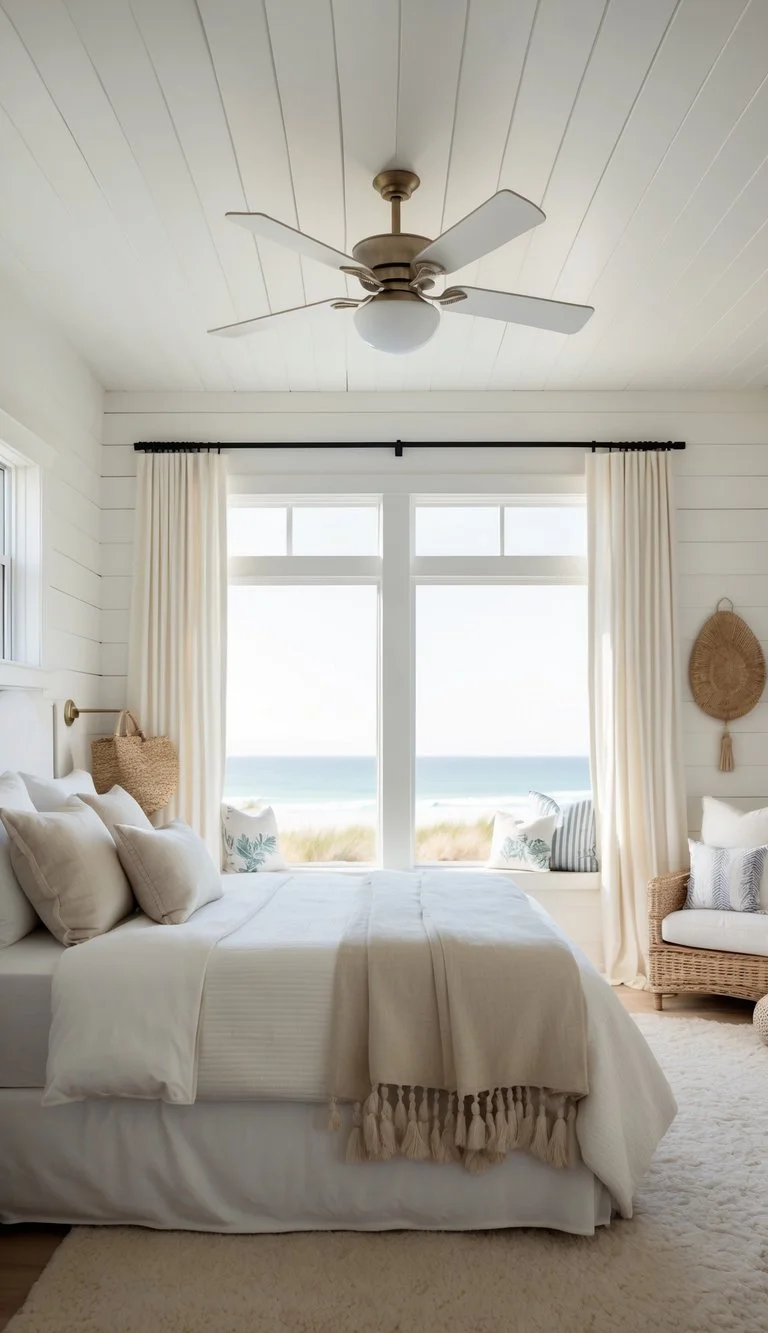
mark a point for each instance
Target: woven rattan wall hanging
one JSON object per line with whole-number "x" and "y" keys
{"x": 727, "y": 672}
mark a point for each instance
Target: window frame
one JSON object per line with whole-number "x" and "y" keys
{"x": 397, "y": 572}
{"x": 6, "y": 562}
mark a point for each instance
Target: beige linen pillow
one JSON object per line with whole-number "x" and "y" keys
{"x": 170, "y": 869}
{"x": 116, "y": 806}
{"x": 67, "y": 866}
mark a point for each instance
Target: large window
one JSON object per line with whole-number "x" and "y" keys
{"x": 402, "y": 666}
{"x": 302, "y": 700}
{"x": 501, "y": 689}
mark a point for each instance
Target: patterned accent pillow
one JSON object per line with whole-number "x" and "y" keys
{"x": 726, "y": 879}
{"x": 575, "y": 842}
{"x": 251, "y": 842}
{"x": 520, "y": 844}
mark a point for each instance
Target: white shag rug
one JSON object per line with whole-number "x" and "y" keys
{"x": 694, "y": 1259}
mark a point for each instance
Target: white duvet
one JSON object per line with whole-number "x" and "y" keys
{"x": 236, "y": 1004}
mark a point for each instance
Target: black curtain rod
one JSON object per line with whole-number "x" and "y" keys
{"x": 618, "y": 446}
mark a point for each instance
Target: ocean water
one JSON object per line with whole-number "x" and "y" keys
{"x": 347, "y": 785}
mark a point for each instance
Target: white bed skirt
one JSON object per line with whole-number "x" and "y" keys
{"x": 256, "y": 1167}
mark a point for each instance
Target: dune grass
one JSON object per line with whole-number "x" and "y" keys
{"x": 445, "y": 841}
{"x": 356, "y": 843}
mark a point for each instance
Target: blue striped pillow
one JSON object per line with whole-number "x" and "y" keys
{"x": 727, "y": 879}
{"x": 574, "y": 846}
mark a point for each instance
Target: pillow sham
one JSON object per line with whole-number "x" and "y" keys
{"x": 17, "y": 915}
{"x": 116, "y": 806}
{"x": 67, "y": 865}
{"x": 722, "y": 825}
{"x": 170, "y": 869}
{"x": 251, "y": 841}
{"x": 574, "y": 845}
{"x": 728, "y": 879}
{"x": 521, "y": 844}
{"x": 50, "y": 794}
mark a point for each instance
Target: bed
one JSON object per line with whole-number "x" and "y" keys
{"x": 245, "y": 1146}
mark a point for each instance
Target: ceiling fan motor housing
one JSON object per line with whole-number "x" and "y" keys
{"x": 390, "y": 257}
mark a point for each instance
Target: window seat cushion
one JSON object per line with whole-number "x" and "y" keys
{"x": 730, "y": 932}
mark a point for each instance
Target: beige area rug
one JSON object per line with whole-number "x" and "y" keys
{"x": 693, "y": 1260}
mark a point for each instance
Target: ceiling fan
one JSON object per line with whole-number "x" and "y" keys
{"x": 398, "y": 271}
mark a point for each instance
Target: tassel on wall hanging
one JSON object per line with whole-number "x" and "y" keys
{"x": 726, "y": 672}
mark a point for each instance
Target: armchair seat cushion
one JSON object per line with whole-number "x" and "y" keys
{"x": 728, "y": 932}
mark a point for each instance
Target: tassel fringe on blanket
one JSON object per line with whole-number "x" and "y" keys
{"x": 477, "y": 1132}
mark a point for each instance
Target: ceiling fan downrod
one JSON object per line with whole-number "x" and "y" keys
{"x": 394, "y": 186}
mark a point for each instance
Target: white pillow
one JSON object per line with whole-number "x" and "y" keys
{"x": 116, "y": 806}
{"x": 67, "y": 865}
{"x": 251, "y": 842}
{"x": 722, "y": 825}
{"x": 170, "y": 869}
{"x": 17, "y": 915}
{"x": 521, "y": 844}
{"x": 50, "y": 794}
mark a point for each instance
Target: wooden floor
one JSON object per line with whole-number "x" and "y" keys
{"x": 25, "y": 1250}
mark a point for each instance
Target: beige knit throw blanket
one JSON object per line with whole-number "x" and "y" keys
{"x": 459, "y": 1024}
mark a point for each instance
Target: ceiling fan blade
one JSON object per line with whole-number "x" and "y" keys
{"x": 501, "y": 218}
{"x": 272, "y": 230}
{"x": 559, "y": 316}
{"x": 280, "y": 318}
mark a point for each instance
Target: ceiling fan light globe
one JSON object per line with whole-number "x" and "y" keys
{"x": 396, "y": 322}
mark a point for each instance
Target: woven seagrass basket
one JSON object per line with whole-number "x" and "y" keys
{"x": 726, "y": 672}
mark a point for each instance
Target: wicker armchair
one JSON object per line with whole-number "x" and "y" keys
{"x": 675, "y": 968}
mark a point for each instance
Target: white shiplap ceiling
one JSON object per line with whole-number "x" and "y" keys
{"x": 129, "y": 127}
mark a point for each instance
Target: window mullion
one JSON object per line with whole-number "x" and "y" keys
{"x": 396, "y": 762}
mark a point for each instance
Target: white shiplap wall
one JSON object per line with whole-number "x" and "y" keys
{"x": 51, "y": 406}
{"x": 722, "y": 497}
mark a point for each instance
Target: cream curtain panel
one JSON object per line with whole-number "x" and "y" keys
{"x": 637, "y": 765}
{"x": 177, "y": 645}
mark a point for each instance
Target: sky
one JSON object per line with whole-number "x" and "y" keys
{"x": 500, "y": 669}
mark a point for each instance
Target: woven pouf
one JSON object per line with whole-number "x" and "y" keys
{"x": 760, "y": 1019}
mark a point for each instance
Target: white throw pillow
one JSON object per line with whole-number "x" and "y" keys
{"x": 251, "y": 842}
{"x": 116, "y": 806}
{"x": 521, "y": 844}
{"x": 50, "y": 794}
{"x": 722, "y": 825}
{"x": 728, "y": 879}
{"x": 17, "y": 915}
{"x": 170, "y": 869}
{"x": 67, "y": 865}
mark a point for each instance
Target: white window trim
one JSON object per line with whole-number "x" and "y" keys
{"x": 23, "y": 636}
{"x": 6, "y": 560}
{"x": 397, "y": 574}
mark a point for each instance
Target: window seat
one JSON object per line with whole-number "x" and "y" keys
{"x": 572, "y": 899}
{"x": 548, "y": 881}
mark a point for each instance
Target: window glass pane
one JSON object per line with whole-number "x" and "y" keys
{"x": 511, "y": 714}
{"x": 260, "y": 530}
{"x": 336, "y": 530}
{"x": 2, "y": 512}
{"x": 554, "y": 530}
{"x": 301, "y": 715}
{"x": 457, "y": 530}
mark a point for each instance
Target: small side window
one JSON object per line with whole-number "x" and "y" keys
{"x": 20, "y": 558}
{"x": 6, "y": 571}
